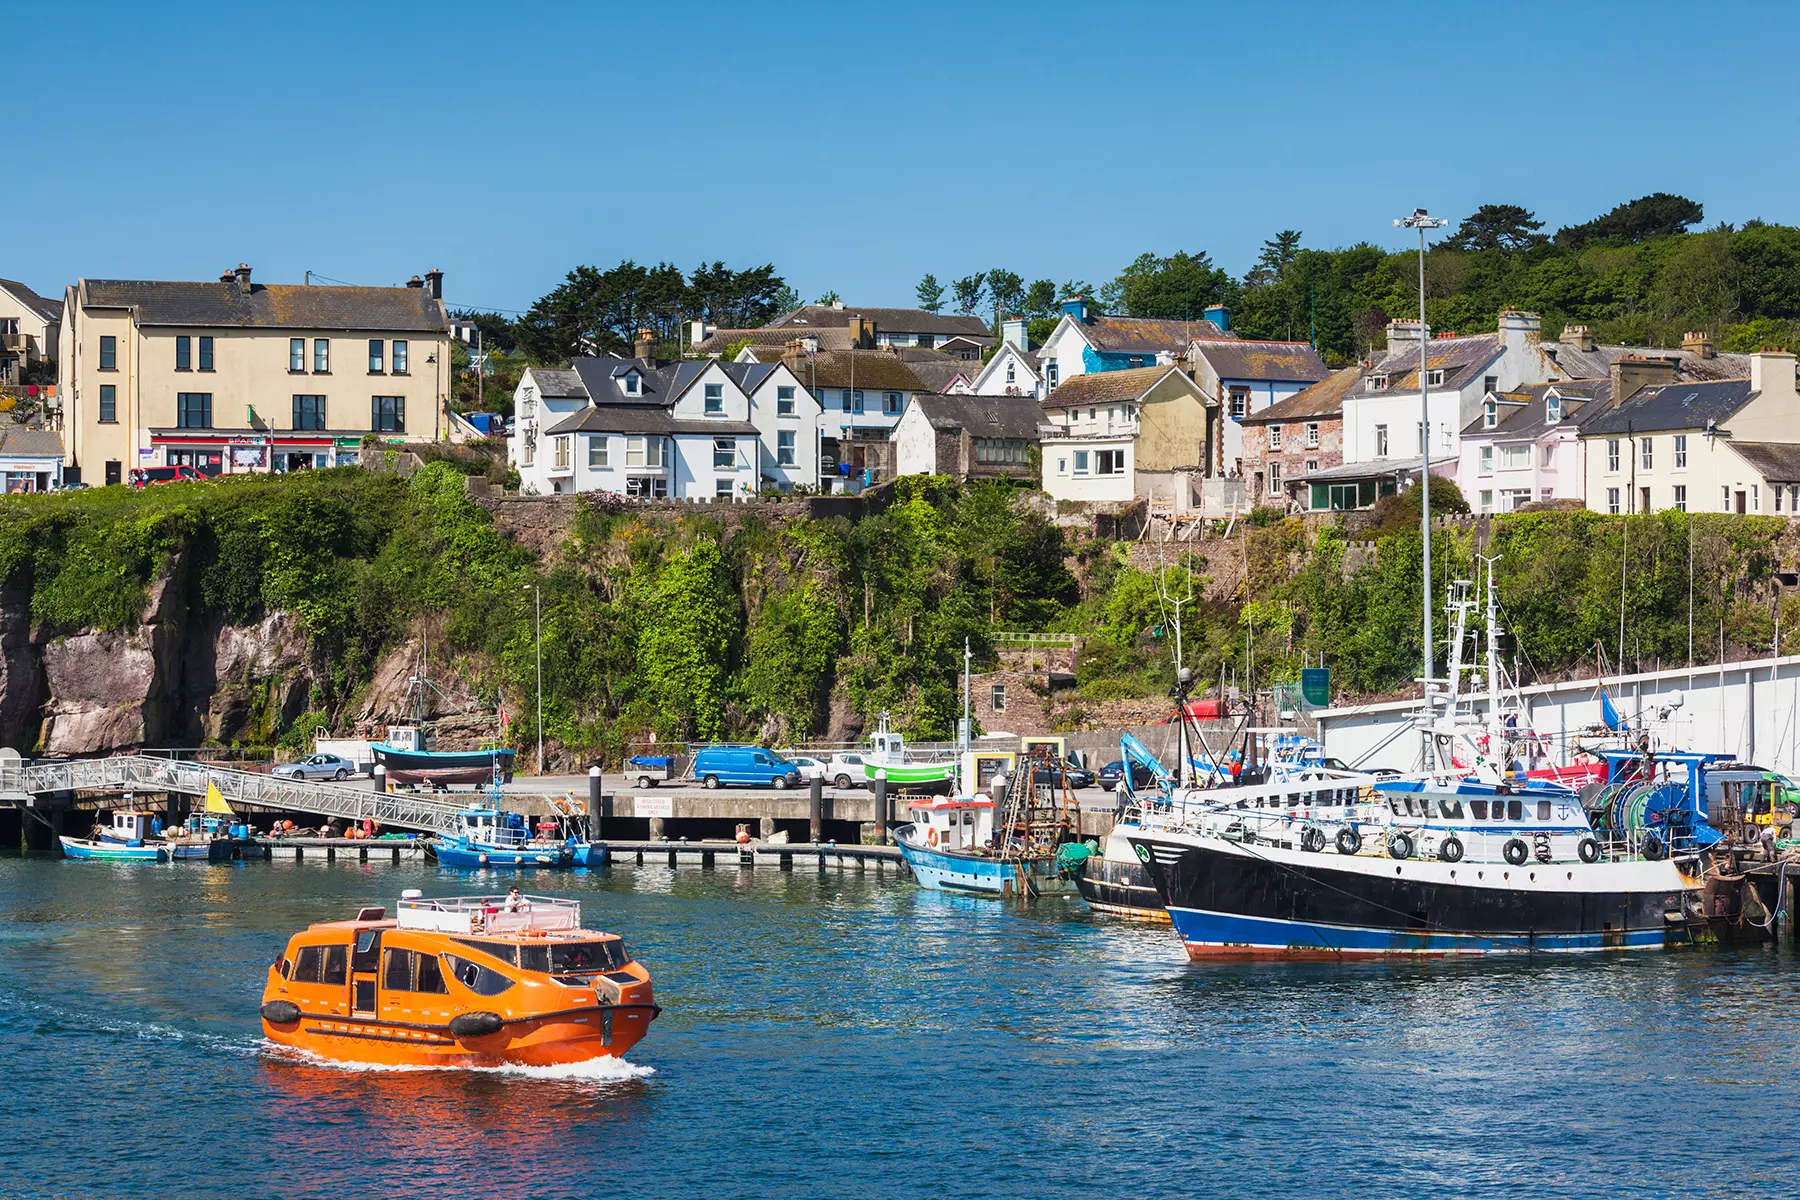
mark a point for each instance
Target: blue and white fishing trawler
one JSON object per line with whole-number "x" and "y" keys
{"x": 489, "y": 837}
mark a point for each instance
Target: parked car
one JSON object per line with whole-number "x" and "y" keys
{"x": 316, "y": 766}
{"x": 1076, "y": 775}
{"x": 751, "y": 766}
{"x": 810, "y": 768}
{"x": 1113, "y": 772}
{"x": 847, "y": 770}
{"x": 145, "y": 476}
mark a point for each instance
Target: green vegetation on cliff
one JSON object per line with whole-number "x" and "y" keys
{"x": 729, "y": 623}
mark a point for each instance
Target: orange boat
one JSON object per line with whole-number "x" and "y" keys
{"x": 475, "y": 981}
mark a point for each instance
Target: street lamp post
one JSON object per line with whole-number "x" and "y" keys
{"x": 538, "y": 595}
{"x": 1422, "y": 221}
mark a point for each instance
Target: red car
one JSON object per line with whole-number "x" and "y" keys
{"x": 145, "y": 476}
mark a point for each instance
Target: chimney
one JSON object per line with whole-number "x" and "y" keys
{"x": 1634, "y": 372}
{"x": 645, "y": 347}
{"x": 838, "y": 304}
{"x": 228, "y": 277}
{"x": 1077, "y": 307}
{"x": 699, "y": 331}
{"x": 1012, "y": 332}
{"x": 1402, "y": 335}
{"x": 434, "y": 284}
{"x": 1698, "y": 343}
{"x": 415, "y": 282}
{"x": 242, "y": 275}
{"x": 1520, "y": 329}
{"x": 862, "y": 333}
{"x": 1219, "y": 315}
{"x": 1579, "y": 336}
{"x": 1772, "y": 372}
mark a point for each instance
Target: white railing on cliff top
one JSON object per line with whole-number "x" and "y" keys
{"x": 137, "y": 773}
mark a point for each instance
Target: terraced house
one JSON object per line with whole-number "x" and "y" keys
{"x": 235, "y": 375}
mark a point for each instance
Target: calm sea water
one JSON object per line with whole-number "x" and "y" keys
{"x": 840, "y": 1035}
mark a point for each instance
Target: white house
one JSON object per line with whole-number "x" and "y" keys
{"x": 1526, "y": 444}
{"x": 1244, "y": 377}
{"x": 649, "y": 430}
{"x": 1084, "y": 342}
{"x": 967, "y": 436}
{"x": 1014, "y": 370}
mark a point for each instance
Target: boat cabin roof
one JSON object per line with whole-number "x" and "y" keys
{"x": 537, "y": 919}
{"x": 934, "y": 803}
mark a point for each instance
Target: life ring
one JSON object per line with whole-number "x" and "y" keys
{"x": 1450, "y": 849}
{"x": 1516, "y": 851}
{"x": 1399, "y": 845}
{"x": 1348, "y": 840}
{"x": 931, "y": 837}
{"x": 1589, "y": 850}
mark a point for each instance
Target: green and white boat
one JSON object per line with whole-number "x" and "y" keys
{"x": 887, "y": 753}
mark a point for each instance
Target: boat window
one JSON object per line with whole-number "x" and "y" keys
{"x": 483, "y": 981}
{"x": 337, "y": 959}
{"x": 506, "y": 952}
{"x": 285, "y": 967}
{"x": 1478, "y": 809}
{"x": 1399, "y": 809}
{"x": 1515, "y": 810}
{"x": 571, "y": 957}
{"x": 429, "y": 977}
{"x": 306, "y": 967}
{"x": 397, "y": 971}
{"x": 1452, "y": 808}
{"x": 968, "y": 818}
{"x": 368, "y": 949}
{"x": 535, "y": 958}
{"x": 1543, "y": 810}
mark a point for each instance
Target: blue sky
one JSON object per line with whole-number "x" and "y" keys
{"x": 854, "y": 145}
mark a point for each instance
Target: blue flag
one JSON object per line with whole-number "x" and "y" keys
{"x": 1609, "y": 714}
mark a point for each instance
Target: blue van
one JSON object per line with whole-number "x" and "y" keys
{"x": 716, "y": 766}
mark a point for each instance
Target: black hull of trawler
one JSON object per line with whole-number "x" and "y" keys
{"x": 1120, "y": 890}
{"x": 1227, "y": 899}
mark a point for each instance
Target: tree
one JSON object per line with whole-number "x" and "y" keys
{"x": 1653, "y": 216}
{"x": 1505, "y": 227}
{"x": 1278, "y": 254}
{"x": 1006, "y": 290}
{"x": 599, "y": 312}
{"x": 969, "y": 290}
{"x": 930, "y": 293}
{"x": 498, "y": 334}
{"x": 1040, "y": 299}
{"x": 830, "y": 297}
{"x": 735, "y": 299}
{"x": 1180, "y": 287}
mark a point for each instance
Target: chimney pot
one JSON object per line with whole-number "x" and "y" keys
{"x": 434, "y": 283}
{"x": 1698, "y": 343}
{"x": 1579, "y": 336}
{"x": 242, "y": 275}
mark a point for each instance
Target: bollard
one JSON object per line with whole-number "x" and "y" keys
{"x": 379, "y": 775}
{"x": 816, "y": 827}
{"x": 881, "y": 806}
{"x": 595, "y": 803}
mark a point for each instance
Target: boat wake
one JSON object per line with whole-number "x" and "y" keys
{"x": 594, "y": 1070}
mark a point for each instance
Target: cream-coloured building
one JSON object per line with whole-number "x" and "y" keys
{"x": 238, "y": 376}
{"x": 1140, "y": 433}
{"x": 29, "y": 325}
{"x": 1723, "y": 445}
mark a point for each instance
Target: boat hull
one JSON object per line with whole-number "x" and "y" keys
{"x": 509, "y": 858}
{"x": 80, "y": 848}
{"x": 554, "y": 1039}
{"x": 950, "y": 871}
{"x": 589, "y": 854}
{"x": 441, "y": 768}
{"x": 1114, "y": 882}
{"x": 914, "y": 776}
{"x": 217, "y": 851}
{"x": 1228, "y": 900}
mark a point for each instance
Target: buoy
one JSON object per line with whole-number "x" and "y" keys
{"x": 931, "y": 837}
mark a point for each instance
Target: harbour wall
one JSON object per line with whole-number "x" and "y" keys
{"x": 1748, "y": 709}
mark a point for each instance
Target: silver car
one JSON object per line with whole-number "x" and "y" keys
{"x": 317, "y": 766}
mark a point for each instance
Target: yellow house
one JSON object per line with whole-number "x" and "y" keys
{"x": 1139, "y": 433}
{"x": 240, "y": 376}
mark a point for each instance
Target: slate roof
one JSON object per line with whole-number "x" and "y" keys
{"x": 982, "y": 416}
{"x": 877, "y": 370}
{"x": 1322, "y": 399}
{"x": 642, "y": 418}
{"x": 720, "y": 339}
{"x": 1778, "y": 462}
{"x": 558, "y": 385}
{"x": 31, "y": 441}
{"x": 1572, "y": 362}
{"x": 749, "y": 376}
{"x": 1283, "y": 361}
{"x": 1672, "y": 406}
{"x": 1523, "y": 413}
{"x": 1374, "y": 468}
{"x": 1111, "y": 387}
{"x": 269, "y": 306}
{"x": 889, "y": 320}
{"x": 662, "y": 383}
{"x": 1147, "y": 335}
{"x": 1460, "y": 358}
{"x": 937, "y": 375}
{"x": 50, "y": 310}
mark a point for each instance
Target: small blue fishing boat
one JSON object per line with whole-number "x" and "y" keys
{"x": 489, "y": 837}
{"x": 125, "y": 841}
{"x": 949, "y": 846}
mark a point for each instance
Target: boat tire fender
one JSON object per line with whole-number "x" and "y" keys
{"x": 1313, "y": 840}
{"x": 1653, "y": 848}
{"x": 1516, "y": 851}
{"x": 1589, "y": 849}
{"x": 281, "y": 1012}
{"x": 1348, "y": 841}
{"x": 1450, "y": 849}
{"x": 1400, "y": 845}
{"x": 475, "y": 1024}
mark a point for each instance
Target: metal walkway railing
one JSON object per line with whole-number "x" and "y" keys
{"x": 138, "y": 773}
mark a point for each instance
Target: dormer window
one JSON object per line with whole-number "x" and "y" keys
{"x": 1553, "y": 408}
{"x": 1490, "y": 414}
{"x": 1378, "y": 383}
{"x": 1434, "y": 378}
{"x": 632, "y": 383}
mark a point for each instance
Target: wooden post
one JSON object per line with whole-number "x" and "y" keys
{"x": 816, "y": 825}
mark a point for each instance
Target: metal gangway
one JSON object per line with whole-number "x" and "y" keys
{"x": 138, "y": 773}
